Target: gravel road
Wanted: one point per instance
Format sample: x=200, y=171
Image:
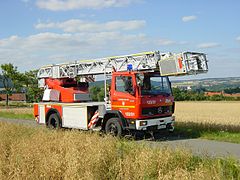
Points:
x=199, y=147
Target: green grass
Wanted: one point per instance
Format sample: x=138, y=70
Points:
x=227, y=133
x=222, y=136
x=11, y=115
x=16, y=104
x=39, y=153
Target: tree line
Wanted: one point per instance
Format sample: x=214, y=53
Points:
x=232, y=90
x=14, y=81
x=185, y=95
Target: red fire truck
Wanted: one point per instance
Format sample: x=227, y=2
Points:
x=138, y=98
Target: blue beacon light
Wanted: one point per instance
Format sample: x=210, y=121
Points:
x=129, y=67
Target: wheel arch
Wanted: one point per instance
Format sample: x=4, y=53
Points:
x=50, y=112
x=114, y=114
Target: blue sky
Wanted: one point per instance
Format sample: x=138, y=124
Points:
x=39, y=32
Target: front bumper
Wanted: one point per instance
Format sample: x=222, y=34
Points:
x=156, y=124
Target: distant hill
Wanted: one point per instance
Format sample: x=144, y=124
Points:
x=210, y=84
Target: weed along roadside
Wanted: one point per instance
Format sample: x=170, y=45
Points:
x=76, y=154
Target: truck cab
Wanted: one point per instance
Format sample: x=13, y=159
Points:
x=144, y=99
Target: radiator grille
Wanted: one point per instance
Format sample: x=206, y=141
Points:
x=156, y=110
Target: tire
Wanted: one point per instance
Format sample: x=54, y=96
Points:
x=138, y=135
x=170, y=128
x=113, y=127
x=54, y=121
x=171, y=131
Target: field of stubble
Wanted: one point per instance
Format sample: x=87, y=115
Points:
x=209, y=120
x=223, y=113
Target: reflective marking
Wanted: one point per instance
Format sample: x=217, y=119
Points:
x=180, y=62
x=123, y=106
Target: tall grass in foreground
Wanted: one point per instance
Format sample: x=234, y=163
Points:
x=28, y=153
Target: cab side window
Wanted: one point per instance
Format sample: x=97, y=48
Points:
x=124, y=84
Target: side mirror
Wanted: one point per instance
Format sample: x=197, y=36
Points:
x=133, y=92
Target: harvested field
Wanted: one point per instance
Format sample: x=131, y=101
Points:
x=222, y=113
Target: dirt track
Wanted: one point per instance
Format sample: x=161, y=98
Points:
x=196, y=146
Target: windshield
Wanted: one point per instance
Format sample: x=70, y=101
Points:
x=154, y=84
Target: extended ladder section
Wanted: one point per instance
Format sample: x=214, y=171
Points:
x=168, y=64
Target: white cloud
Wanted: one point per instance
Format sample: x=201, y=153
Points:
x=188, y=18
x=238, y=38
x=64, y=5
x=79, y=39
x=165, y=42
x=77, y=25
x=209, y=45
x=39, y=49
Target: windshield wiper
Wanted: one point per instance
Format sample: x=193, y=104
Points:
x=164, y=94
x=156, y=93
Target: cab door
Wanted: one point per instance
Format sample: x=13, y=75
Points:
x=123, y=95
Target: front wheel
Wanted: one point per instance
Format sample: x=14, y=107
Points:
x=113, y=127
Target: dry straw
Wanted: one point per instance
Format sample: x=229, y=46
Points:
x=37, y=153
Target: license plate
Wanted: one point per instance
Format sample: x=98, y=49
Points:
x=162, y=126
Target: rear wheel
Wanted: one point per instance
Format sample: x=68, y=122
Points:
x=54, y=121
x=113, y=127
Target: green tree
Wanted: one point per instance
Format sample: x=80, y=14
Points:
x=11, y=79
x=97, y=93
x=183, y=95
x=232, y=90
x=30, y=82
x=217, y=98
x=179, y=95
